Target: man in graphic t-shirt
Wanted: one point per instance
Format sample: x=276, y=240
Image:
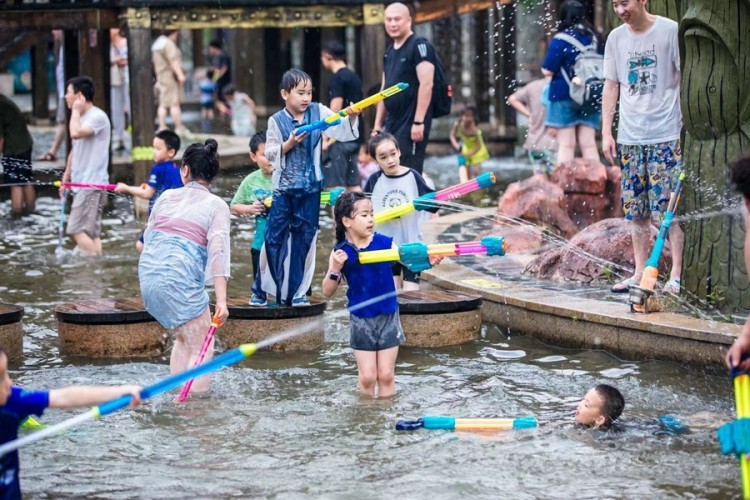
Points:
x=344, y=89
x=407, y=115
x=642, y=68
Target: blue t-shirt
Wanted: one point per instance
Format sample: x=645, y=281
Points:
x=370, y=280
x=19, y=406
x=207, y=88
x=562, y=56
x=164, y=175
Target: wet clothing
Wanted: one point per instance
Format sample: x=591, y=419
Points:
x=292, y=227
x=377, y=333
x=186, y=246
x=243, y=117
x=388, y=192
x=164, y=176
x=86, y=213
x=255, y=187
x=400, y=65
x=368, y=281
x=17, y=168
x=20, y=405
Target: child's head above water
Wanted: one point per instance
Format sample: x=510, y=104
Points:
x=601, y=406
x=353, y=214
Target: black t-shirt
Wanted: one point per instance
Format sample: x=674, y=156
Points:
x=346, y=84
x=400, y=65
x=218, y=62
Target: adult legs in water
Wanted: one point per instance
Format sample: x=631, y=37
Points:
x=188, y=339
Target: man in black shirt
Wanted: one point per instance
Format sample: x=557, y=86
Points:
x=344, y=88
x=407, y=115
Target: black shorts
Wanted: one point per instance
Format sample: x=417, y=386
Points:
x=398, y=268
x=17, y=168
x=342, y=170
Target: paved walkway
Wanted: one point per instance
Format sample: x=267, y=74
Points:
x=568, y=318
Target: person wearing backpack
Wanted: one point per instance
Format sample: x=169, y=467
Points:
x=642, y=69
x=575, y=99
x=408, y=115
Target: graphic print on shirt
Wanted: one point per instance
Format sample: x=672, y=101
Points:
x=394, y=198
x=642, y=72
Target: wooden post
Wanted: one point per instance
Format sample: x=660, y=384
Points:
x=372, y=45
x=504, y=41
x=249, y=66
x=39, y=83
x=142, y=107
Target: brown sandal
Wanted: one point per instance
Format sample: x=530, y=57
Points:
x=46, y=157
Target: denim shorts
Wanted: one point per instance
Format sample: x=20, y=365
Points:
x=564, y=114
x=377, y=333
x=649, y=175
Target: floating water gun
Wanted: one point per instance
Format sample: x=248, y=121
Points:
x=326, y=197
x=640, y=294
x=466, y=424
x=416, y=256
x=426, y=201
x=335, y=119
x=85, y=185
x=734, y=437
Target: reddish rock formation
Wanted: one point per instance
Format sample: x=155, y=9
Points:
x=539, y=201
x=608, y=240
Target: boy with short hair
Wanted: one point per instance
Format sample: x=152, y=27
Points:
x=600, y=407
x=17, y=404
x=248, y=200
x=297, y=183
x=165, y=174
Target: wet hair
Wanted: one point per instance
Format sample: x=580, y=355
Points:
x=345, y=206
x=84, y=85
x=229, y=89
x=202, y=160
x=470, y=108
x=335, y=49
x=372, y=146
x=739, y=173
x=612, y=402
x=171, y=139
x=256, y=140
x=215, y=44
x=293, y=77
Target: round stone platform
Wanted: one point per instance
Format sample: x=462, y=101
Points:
x=434, y=318
x=109, y=328
x=248, y=324
x=11, y=331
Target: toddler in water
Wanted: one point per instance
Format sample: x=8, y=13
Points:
x=187, y=247
x=601, y=406
x=466, y=138
x=241, y=109
x=375, y=328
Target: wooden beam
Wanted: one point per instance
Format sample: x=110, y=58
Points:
x=431, y=10
x=39, y=81
x=68, y=20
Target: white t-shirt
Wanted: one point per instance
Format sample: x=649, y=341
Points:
x=90, y=155
x=647, y=67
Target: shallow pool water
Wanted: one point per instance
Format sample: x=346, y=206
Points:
x=292, y=425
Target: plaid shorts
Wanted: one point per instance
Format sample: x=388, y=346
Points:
x=649, y=175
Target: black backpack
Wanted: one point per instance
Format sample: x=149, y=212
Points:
x=442, y=91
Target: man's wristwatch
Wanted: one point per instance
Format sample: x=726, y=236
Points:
x=415, y=122
x=334, y=276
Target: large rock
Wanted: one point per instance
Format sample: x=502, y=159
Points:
x=604, y=245
x=613, y=190
x=580, y=176
x=592, y=191
x=537, y=200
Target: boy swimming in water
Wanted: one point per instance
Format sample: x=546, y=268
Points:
x=600, y=407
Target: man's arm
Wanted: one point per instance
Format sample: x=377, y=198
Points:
x=426, y=77
x=609, y=106
x=79, y=130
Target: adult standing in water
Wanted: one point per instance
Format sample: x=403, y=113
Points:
x=88, y=161
x=170, y=79
x=642, y=57
x=118, y=79
x=407, y=115
x=15, y=150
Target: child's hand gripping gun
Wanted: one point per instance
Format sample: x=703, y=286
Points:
x=327, y=198
x=359, y=106
x=427, y=201
x=416, y=256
